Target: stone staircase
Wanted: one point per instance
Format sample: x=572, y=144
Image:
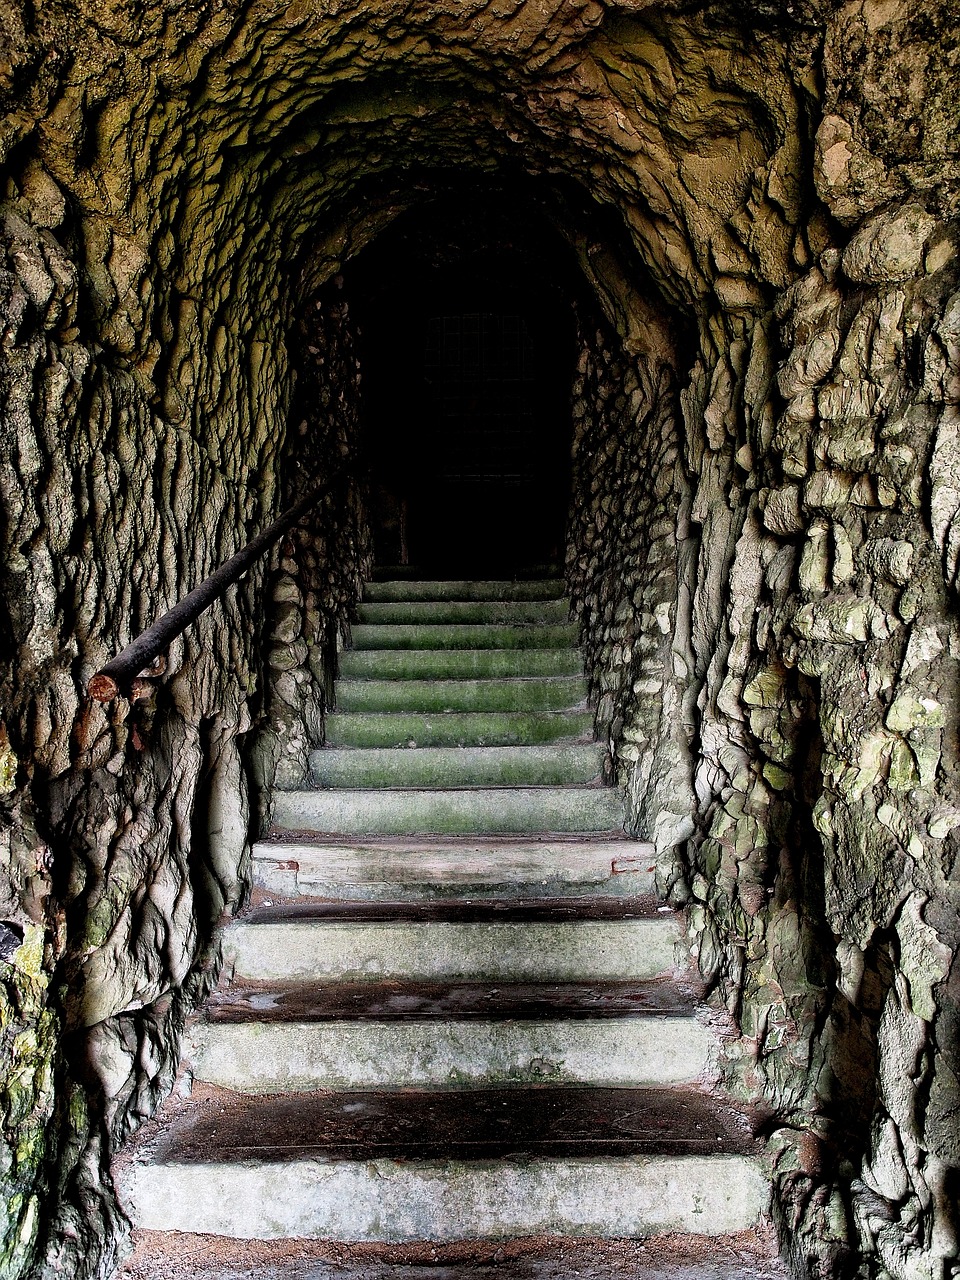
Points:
x=452, y=1012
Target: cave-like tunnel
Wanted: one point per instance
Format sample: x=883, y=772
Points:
x=657, y=297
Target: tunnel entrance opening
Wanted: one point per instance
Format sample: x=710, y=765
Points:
x=467, y=349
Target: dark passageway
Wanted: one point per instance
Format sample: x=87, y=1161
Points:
x=466, y=342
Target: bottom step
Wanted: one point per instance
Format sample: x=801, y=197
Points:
x=398, y=1165
x=388, y=1200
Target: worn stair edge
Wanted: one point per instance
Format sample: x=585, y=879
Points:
x=456, y=729
x=439, y=767
x=517, y=951
x=533, y=693
x=535, y=909
x=242, y=1001
x=497, y=810
x=386, y=1200
x=451, y=589
x=277, y=1057
x=439, y=664
x=452, y=636
x=374, y=869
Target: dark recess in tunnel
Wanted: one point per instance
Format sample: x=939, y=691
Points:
x=465, y=308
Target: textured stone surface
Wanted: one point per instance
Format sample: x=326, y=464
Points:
x=259, y=1057
x=423, y=868
x=513, y=951
x=387, y=1201
x=763, y=555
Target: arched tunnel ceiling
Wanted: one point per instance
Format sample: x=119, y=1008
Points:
x=212, y=155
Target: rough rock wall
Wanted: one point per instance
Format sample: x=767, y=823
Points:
x=143, y=407
x=629, y=499
x=820, y=647
x=132, y=816
x=321, y=566
x=824, y=876
x=874, y=631
x=787, y=179
x=823, y=879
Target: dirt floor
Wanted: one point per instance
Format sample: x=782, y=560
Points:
x=745, y=1256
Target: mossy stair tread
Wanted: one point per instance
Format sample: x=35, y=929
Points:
x=464, y=612
x=456, y=728
x=465, y=810
x=534, y=693
x=464, y=636
x=458, y=664
x=439, y=767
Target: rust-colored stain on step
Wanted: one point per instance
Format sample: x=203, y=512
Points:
x=417, y=1001
x=480, y=1124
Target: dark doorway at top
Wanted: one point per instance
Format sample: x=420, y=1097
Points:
x=466, y=350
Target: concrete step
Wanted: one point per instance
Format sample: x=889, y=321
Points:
x=551, y=693
x=421, y=1166
x=429, y=867
x=259, y=1057
x=454, y=636
x=476, y=810
x=465, y=612
x=558, y=764
x=456, y=728
x=482, y=945
x=457, y=664
x=387, y=1201
x=535, y=589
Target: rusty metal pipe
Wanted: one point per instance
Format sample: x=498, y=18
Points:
x=120, y=673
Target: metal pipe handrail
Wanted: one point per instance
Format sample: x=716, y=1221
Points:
x=118, y=675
